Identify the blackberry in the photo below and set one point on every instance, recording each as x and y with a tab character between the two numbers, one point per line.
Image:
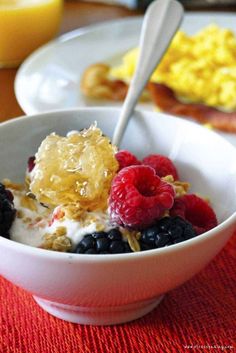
110	242
7	211
167	231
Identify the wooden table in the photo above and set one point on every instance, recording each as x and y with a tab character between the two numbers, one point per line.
76	14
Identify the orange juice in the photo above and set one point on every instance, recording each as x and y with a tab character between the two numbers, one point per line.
24	26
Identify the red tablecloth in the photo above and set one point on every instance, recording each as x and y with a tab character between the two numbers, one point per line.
199	316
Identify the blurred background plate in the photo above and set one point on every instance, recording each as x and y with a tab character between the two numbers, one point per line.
50	78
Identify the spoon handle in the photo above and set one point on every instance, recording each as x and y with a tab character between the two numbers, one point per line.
160	23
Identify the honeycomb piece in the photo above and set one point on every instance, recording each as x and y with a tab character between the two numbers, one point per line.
75	169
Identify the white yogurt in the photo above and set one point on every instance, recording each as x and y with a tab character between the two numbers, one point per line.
32	232
23	233
76	231
29	232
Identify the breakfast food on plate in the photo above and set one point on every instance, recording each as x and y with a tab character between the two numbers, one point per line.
83	196
196	78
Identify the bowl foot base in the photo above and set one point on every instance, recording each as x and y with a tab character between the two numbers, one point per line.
99	315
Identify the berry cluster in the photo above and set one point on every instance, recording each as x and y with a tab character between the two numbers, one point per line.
144	201
103	243
139	199
167	231
162	165
195	210
139	196
7	211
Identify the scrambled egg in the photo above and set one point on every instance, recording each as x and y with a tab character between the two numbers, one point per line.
199	68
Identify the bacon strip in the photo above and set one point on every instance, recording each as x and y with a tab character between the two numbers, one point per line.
166	100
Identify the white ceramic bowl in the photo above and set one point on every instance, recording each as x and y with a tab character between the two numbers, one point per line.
109	289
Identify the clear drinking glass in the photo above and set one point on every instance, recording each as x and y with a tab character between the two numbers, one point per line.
24	26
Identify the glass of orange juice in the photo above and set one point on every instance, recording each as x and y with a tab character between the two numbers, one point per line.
24	26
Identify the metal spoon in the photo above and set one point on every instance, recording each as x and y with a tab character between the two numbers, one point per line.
161	21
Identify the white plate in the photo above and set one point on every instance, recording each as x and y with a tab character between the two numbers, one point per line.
50	78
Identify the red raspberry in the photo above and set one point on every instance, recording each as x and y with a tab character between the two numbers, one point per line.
162	165
196	211
139	197
58	213
31	163
125	159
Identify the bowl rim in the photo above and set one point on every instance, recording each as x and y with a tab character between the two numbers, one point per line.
93	258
